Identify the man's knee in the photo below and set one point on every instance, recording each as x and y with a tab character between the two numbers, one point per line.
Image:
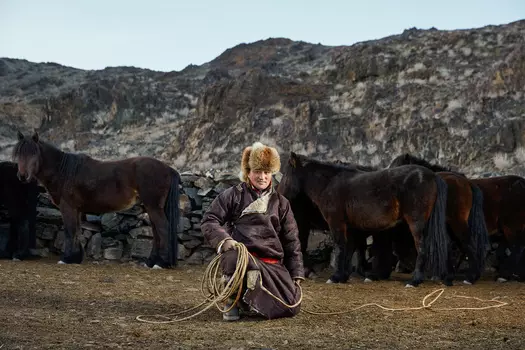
229	262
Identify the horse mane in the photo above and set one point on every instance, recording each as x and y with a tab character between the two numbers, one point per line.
338	164
411	159
357	166
69	165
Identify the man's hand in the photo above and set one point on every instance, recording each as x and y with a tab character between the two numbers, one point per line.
228	245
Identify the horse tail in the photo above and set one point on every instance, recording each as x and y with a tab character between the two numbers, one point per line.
172	211
479	237
437	239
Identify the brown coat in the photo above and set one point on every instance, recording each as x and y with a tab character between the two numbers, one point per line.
268	230
273	234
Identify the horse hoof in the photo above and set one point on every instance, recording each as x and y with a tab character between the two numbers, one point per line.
16	259
468	283
61	262
408	285
330	281
157	267
368	280
435	278
501	280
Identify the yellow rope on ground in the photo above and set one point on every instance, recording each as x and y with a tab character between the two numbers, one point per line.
216	293
425	305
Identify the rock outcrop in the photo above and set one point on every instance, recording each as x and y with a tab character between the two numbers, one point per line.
454	97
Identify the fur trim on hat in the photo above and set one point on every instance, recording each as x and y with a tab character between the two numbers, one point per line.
259	157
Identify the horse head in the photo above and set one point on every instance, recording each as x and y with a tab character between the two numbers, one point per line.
411	159
402	159
27	154
291	182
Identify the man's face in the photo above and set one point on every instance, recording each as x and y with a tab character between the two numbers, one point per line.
260	179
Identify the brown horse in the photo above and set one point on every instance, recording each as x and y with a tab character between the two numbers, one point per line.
466	223
503	207
352	199
505	213
79	184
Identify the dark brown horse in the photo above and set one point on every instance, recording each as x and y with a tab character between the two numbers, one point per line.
20	200
79	184
503	207
308	217
351	199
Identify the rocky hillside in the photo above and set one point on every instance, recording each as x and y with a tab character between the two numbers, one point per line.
456	97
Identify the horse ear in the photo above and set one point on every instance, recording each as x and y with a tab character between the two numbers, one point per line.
20	135
35	136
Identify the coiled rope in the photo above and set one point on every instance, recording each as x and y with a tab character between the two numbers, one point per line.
216	293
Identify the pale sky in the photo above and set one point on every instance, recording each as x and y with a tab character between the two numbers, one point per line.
168	35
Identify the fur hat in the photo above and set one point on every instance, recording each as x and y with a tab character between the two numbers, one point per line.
259	157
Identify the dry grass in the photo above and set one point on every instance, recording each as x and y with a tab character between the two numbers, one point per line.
49	306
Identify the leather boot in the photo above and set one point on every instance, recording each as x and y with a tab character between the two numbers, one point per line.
233	314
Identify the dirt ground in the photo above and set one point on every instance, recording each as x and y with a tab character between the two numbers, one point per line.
48	306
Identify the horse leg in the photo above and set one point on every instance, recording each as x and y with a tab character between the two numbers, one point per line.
377	259
5	244
31	213
460	260
509	262
451	266
360	251
304	234
459	232
518	267
154	254
12	243
161	248
343	261
73	253
21	241
384	266
404	248
417	228
512	268
473	272
520	271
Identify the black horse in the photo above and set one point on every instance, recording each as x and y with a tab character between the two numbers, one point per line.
20	200
353	200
